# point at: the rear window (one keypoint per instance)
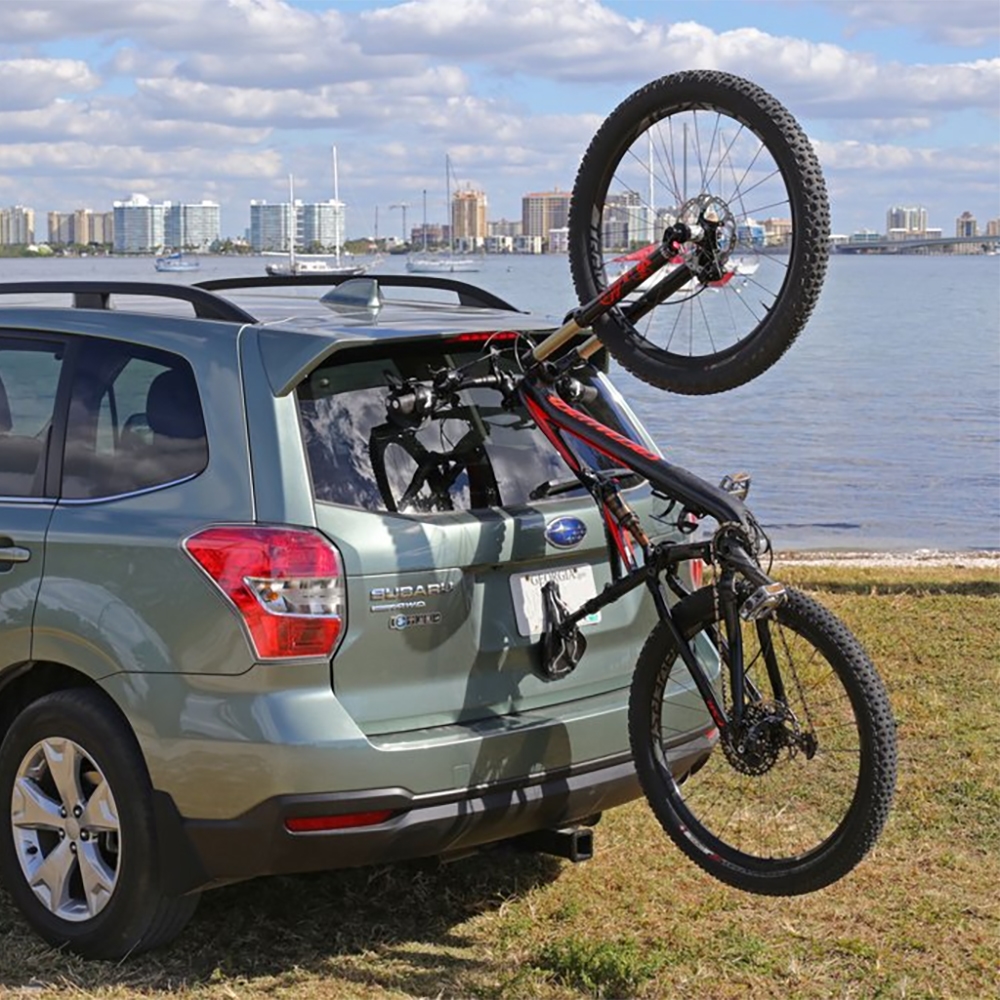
(477, 455)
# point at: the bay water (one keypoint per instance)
(878, 431)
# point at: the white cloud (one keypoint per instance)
(965, 23)
(886, 158)
(513, 89)
(33, 83)
(579, 40)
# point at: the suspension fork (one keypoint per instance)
(771, 661)
(729, 606)
(680, 642)
(586, 315)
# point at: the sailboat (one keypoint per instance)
(314, 263)
(176, 262)
(428, 262)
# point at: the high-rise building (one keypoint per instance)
(102, 228)
(318, 224)
(431, 234)
(61, 229)
(965, 225)
(468, 217)
(778, 230)
(542, 211)
(82, 226)
(559, 240)
(138, 225)
(142, 226)
(17, 226)
(322, 224)
(505, 227)
(271, 226)
(901, 222)
(625, 222)
(191, 227)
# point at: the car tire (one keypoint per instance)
(78, 847)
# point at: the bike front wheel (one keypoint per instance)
(797, 799)
(706, 149)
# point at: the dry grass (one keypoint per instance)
(920, 918)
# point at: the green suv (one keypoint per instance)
(251, 624)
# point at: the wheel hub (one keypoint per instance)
(66, 831)
(707, 259)
(756, 748)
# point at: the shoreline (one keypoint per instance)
(969, 558)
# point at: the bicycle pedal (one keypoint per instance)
(763, 600)
(562, 646)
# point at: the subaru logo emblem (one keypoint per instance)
(565, 532)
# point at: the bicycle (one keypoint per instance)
(796, 770)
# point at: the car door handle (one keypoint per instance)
(14, 554)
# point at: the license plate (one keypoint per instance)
(576, 585)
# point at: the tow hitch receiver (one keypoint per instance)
(573, 842)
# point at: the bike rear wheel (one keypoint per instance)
(689, 147)
(803, 796)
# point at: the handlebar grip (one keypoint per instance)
(408, 404)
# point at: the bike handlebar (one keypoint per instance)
(421, 399)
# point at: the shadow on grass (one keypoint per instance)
(274, 926)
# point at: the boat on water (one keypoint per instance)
(441, 261)
(304, 264)
(299, 265)
(176, 262)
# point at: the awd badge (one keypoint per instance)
(400, 622)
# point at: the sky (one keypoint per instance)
(223, 99)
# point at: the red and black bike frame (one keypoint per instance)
(560, 422)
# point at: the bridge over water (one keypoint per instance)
(919, 243)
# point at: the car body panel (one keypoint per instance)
(460, 655)
(220, 750)
(444, 716)
(23, 525)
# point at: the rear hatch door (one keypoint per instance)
(448, 528)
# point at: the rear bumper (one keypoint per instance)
(202, 853)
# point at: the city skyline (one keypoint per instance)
(324, 223)
(210, 101)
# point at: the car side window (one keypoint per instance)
(29, 377)
(135, 422)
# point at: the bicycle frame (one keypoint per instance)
(557, 419)
(539, 390)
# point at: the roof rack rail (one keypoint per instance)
(97, 295)
(468, 295)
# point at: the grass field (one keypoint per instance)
(920, 918)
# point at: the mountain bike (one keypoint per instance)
(796, 770)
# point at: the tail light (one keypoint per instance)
(286, 583)
(344, 821)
